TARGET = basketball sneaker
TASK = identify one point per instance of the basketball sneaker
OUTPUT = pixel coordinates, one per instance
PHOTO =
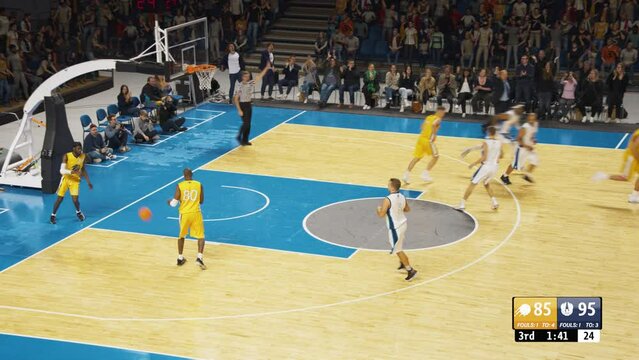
(200, 263)
(633, 199)
(181, 262)
(505, 179)
(411, 274)
(401, 266)
(426, 176)
(80, 215)
(529, 179)
(406, 177)
(52, 219)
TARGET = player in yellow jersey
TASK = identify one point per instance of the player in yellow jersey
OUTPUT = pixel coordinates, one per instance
(72, 169)
(629, 167)
(190, 195)
(426, 144)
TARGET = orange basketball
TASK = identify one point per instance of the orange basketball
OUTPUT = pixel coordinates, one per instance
(145, 213)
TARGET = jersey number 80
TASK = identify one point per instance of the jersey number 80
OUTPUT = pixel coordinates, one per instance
(190, 195)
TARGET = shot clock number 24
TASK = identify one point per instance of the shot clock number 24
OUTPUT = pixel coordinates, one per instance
(560, 319)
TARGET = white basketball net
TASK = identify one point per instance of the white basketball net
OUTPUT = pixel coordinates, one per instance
(205, 76)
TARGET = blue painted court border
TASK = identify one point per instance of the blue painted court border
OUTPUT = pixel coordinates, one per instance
(277, 227)
(27, 232)
(17, 347)
(450, 127)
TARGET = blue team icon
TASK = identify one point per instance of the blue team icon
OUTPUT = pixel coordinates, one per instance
(579, 313)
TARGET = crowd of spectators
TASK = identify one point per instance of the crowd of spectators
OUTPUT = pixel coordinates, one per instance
(551, 56)
(76, 31)
(485, 33)
(533, 83)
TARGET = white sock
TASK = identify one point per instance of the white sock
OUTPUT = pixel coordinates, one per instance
(409, 268)
(52, 214)
(635, 193)
(180, 257)
(494, 200)
(462, 203)
(78, 211)
(199, 256)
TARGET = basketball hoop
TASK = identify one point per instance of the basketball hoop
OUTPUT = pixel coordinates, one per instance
(204, 74)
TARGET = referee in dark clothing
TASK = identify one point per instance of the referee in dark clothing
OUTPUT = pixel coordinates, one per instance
(242, 99)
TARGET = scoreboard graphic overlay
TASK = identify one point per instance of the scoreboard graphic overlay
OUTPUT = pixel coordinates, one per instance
(557, 319)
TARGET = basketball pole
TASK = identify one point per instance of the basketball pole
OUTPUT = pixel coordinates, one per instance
(24, 136)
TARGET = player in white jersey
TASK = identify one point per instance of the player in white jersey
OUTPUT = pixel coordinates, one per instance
(525, 158)
(511, 118)
(489, 160)
(393, 208)
(504, 122)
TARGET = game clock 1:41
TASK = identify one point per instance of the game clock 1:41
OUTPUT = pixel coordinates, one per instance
(560, 319)
(591, 336)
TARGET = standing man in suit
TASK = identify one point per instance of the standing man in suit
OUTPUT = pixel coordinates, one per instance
(269, 78)
(501, 92)
(525, 75)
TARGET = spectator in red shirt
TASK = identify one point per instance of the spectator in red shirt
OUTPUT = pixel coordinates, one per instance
(609, 55)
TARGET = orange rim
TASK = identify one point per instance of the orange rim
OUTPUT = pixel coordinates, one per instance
(195, 68)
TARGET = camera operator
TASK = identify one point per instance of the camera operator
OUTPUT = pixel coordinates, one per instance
(169, 121)
(116, 135)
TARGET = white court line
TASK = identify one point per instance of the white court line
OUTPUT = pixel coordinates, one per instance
(266, 204)
(621, 141)
(207, 110)
(121, 209)
(181, 132)
(3, 210)
(211, 242)
(303, 309)
(92, 344)
(110, 162)
(442, 136)
(311, 307)
(308, 179)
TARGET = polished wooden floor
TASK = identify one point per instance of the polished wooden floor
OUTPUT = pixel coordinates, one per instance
(563, 236)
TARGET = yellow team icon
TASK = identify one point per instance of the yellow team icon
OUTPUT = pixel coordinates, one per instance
(530, 313)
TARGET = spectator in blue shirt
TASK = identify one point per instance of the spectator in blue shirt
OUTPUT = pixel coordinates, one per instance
(95, 148)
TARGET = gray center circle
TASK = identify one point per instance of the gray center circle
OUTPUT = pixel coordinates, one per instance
(354, 224)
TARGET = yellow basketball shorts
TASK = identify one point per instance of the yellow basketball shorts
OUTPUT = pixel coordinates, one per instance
(72, 186)
(425, 147)
(192, 223)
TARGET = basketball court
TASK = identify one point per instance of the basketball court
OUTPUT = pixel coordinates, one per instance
(298, 263)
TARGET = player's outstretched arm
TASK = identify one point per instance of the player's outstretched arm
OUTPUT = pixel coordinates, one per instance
(520, 137)
(469, 149)
(484, 154)
(436, 126)
(63, 166)
(261, 75)
(176, 197)
(85, 174)
(634, 147)
(382, 209)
